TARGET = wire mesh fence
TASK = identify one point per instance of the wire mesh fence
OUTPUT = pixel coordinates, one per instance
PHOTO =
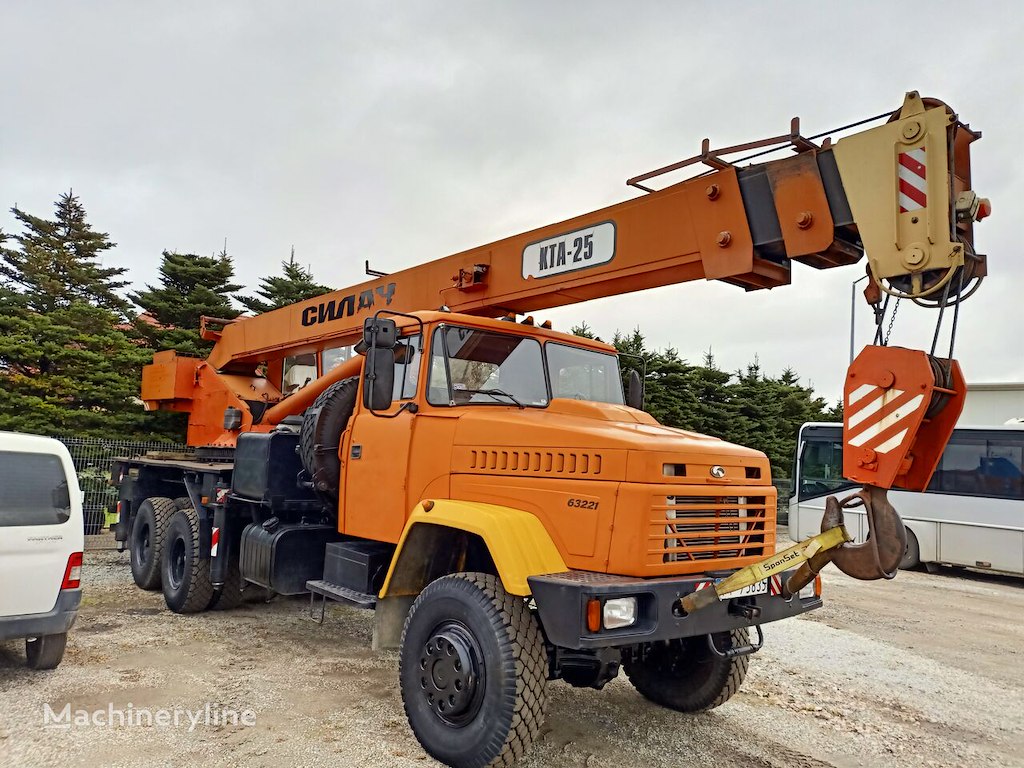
(92, 457)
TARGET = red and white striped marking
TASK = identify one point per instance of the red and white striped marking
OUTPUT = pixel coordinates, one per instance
(214, 542)
(873, 413)
(703, 585)
(775, 585)
(913, 187)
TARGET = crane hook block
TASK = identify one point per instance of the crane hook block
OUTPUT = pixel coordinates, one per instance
(899, 409)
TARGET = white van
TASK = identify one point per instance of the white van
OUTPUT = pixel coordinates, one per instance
(41, 543)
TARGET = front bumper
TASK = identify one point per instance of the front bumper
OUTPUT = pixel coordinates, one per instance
(53, 622)
(562, 598)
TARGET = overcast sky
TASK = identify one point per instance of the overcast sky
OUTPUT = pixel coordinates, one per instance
(401, 132)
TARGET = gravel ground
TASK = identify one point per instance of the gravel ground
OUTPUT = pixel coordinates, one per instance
(922, 671)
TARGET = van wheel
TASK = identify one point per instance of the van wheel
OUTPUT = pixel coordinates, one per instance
(147, 542)
(186, 575)
(686, 676)
(473, 672)
(912, 556)
(45, 651)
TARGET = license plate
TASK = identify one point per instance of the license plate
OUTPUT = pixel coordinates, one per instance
(760, 588)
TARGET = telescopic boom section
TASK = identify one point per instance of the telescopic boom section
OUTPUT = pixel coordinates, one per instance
(823, 206)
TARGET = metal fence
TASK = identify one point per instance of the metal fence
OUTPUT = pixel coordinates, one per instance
(92, 458)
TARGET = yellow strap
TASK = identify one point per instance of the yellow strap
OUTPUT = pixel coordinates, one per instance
(783, 560)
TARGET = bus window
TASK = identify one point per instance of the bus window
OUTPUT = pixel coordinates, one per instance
(976, 466)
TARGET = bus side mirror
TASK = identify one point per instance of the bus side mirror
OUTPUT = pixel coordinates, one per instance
(635, 395)
(379, 378)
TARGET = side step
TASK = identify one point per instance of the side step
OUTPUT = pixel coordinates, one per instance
(327, 591)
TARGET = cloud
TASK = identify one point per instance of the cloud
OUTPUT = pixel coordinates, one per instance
(406, 132)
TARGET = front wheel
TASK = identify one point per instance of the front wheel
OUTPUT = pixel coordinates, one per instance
(686, 676)
(473, 672)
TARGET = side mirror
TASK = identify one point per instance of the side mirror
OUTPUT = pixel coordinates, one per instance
(380, 332)
(379, 378)
(635, 395)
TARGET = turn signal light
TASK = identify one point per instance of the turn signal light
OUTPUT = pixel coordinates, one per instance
(73, 573)
(984, 209)
(594, 614)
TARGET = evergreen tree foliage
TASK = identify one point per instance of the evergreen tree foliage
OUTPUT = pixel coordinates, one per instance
(747, 408)
(295, 283)
(190, 286)
(70, 371)
(69, 366)
(57, 262)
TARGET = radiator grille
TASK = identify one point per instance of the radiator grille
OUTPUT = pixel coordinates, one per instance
(536, 462)
(699, 528)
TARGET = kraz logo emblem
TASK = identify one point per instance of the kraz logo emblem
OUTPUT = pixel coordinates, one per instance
(717, 471)
(336, 309)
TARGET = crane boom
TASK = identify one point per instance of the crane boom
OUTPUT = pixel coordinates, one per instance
(822, 206)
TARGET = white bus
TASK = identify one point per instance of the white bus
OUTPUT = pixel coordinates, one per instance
(971, 515)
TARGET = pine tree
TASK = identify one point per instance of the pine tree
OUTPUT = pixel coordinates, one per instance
(58, 262)
(295, 284)
(190, 286)
(70, 371)
(67, 365)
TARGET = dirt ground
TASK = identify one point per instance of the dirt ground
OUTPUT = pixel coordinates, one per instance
(927, 670)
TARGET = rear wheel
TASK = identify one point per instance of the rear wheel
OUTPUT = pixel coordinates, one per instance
(186, 575)
(45, 651)
(686, 676)
(473, 672)
(147, 541)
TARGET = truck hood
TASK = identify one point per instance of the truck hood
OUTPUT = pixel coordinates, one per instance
(628, 444)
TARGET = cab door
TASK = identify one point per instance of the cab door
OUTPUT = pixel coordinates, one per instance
(375, 455)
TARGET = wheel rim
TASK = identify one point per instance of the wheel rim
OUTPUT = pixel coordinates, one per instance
(177, 562)
(145, 544)
(451, 674)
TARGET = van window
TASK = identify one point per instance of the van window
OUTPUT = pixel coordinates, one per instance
(33, 490)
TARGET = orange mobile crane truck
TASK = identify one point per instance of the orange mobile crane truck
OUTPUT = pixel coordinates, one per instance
(493, 489)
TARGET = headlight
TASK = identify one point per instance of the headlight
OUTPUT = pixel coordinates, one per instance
(619, 612)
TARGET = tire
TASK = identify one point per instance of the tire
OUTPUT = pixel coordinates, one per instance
(912, 556)
(147, 540)
(483, 701)
(183, 502)
(320, 437)
(45, 651)
(686, 676)
(186, 576)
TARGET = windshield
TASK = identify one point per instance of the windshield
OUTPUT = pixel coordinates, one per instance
(583, 374)
(485, 368)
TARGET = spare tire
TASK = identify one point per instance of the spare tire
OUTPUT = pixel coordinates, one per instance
(320, 437)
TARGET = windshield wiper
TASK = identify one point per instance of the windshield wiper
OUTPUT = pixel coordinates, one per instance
(493, 393)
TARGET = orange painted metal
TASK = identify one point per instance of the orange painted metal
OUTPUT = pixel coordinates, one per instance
(897, 418)
(802, 208)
